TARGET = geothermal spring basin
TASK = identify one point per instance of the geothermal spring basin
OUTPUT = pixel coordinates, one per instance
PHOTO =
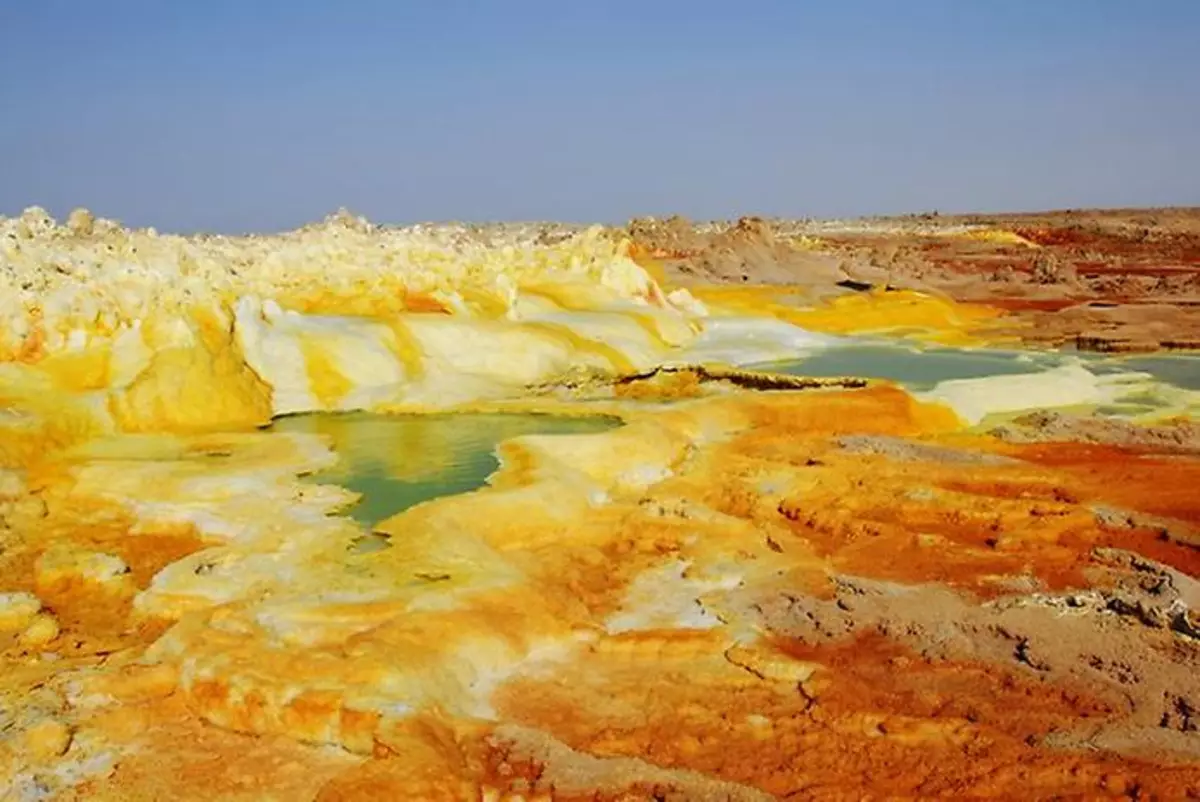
(438, 513)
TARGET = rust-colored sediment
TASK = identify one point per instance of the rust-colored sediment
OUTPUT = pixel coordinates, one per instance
(1121, 280)
(920, 612)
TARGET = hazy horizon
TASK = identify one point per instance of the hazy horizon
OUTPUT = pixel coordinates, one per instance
(231, 117)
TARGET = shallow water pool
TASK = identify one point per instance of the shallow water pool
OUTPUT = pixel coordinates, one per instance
(923, 368)
(1181, 370)
(919, 369)
(397, 461)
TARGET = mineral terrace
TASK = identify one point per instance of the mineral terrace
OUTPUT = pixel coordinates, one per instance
(761, 581)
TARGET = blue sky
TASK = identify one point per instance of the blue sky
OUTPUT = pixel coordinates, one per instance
(250, 115)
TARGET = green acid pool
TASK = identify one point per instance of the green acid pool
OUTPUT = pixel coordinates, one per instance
(397, 461)
(1181, 370)
(922, 368)
(916, 368)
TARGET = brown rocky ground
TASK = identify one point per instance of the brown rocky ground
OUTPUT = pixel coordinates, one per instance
(1117, 280)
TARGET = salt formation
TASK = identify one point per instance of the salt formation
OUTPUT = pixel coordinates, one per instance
(165, 332)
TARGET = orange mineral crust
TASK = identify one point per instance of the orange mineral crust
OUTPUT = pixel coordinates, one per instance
(863, 718)
(819, 593)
